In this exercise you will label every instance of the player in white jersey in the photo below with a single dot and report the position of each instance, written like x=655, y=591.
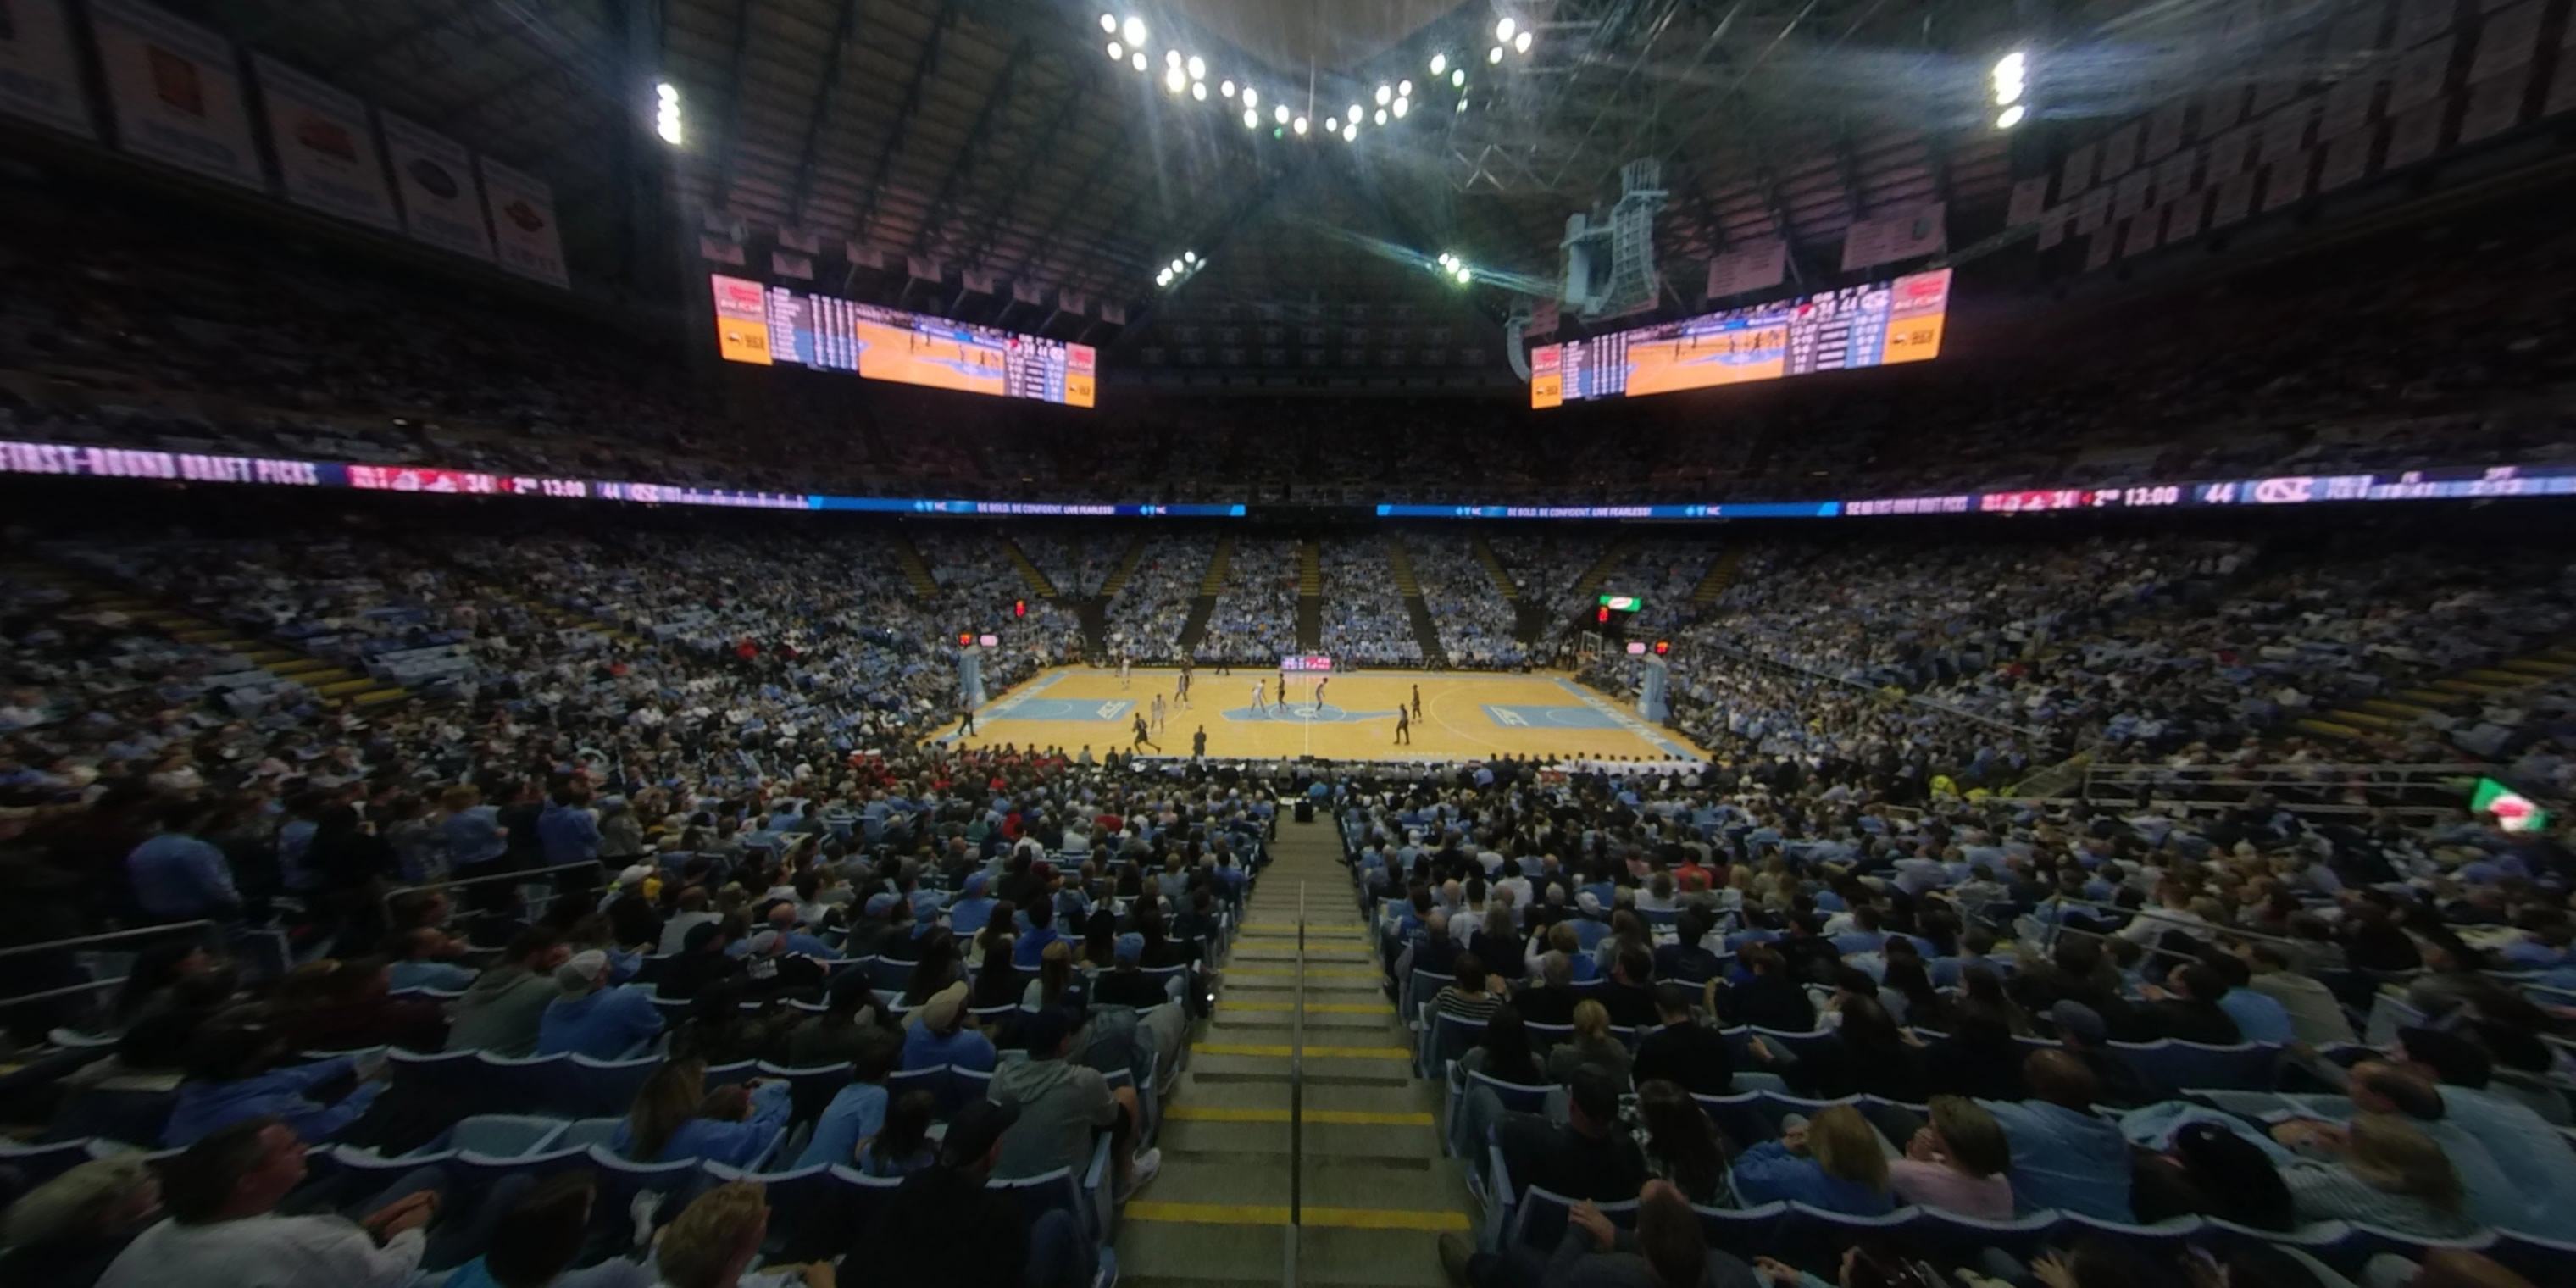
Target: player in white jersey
x=1123, y=664
x=1320, y=682
x=1260, y=695
x=1158, y=713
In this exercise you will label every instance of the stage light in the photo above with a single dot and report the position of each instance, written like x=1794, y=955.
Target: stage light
x=1109, y=24
x=1402, y=105
x=1494, y=55
x=666, y=113
x=1174, y=80
x=667, y=92
x=1251, y=97
x=1503, y=30
x=1332, y=125
x=1171, y=58
x=1226, y=88
x=1137, y=60
x=1404, y=89
x=1299, y=125
x=1464, y=273
x=1439, y=63
x=1462, y=106
x=1251, y=119
x=1280, y=114
x=1163, y=278
x=1381, y=116
x=1385, y=95
x=1189, y=257
x=1458, y=78
x=1353, y=113
x=1176, y=268
x=2011, y=117
x=1521, y=42
x=1351, y=132
x=1198, y=67
x=1117, y=52
x=1198, y=90
x=1135, y=29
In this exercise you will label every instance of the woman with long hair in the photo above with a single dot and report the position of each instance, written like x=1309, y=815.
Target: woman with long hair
x=939, y=967
x=903, y=1146
x=1681, y=1144
x=1099, y=941
x=2391, y=1176
x=1592, y=1045
x=1832, y=1162
x=1956, y=1162
x=675, y=1117
x=1503, y=1053
x=1058, y=983
x=997, y=982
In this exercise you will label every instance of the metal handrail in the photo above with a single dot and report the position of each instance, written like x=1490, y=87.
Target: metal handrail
x=78, y=941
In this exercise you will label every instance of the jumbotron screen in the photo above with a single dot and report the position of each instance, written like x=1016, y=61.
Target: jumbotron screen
x=766, y=325
x=1876, y=325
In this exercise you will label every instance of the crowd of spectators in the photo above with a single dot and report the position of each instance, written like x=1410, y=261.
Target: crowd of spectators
x=1255, y=618
x=1478, y=627
x=1144, y=619
x=1365, y=618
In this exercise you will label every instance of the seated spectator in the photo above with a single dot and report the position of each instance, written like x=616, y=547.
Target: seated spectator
x=1628, y=994
x=770, y=970
x=1502, y=1051
x=1497, y=942
x=1683, y=1051
x=1832, y=1162
x=355, y=1010
x=703, y=959
x=1059, y=984
x=2080, y=1032
x=936, y=1033
x=718, y=1236
x=1466, y=995
x=903, y=1145
x=997, y=983
x=2063, y=1156
x=2389, y=1176
x=1126, y=983
x=676, y=1117
x=589, y=1017
x=1686, y=960
x=1553, y=999
x=504, y=1007
x=1590, y=1156
x=1668, y=1249
x=2316, y=1016
x=943, y=1225
x=1868, y=1055
x=224, y=1230
x=696, y=909
x=69, y=1229
x=2207, y=1170
x=2188, y=1009
x=1957, y=1162
x=857, y=1111
x=1766, y=997
x=1591, y=1046
x=1061, y=1104
x=237, y=1072
x=420, y=963
x=539, y=1234
x=1681, y=1144
x=850, y=1012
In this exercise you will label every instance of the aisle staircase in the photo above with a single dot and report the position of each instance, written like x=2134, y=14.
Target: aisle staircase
x=1494, y=568
x=1426, y=632
x=334, y=685
x=1310, y=595
x=916, y=569
x=1589, y=584
x=1721, y=575
x=1299, y=1120
x=2395, y=711
x=1211, y=585
x=1125, y=572
x=1031, y=575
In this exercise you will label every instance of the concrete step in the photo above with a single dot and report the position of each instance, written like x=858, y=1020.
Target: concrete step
x=1191, y=1253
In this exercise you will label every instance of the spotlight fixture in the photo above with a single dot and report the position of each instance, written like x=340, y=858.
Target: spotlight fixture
x=1198, y=67
x=1353, y=113
x=1226, y=88
x=1251, y=119
x=2011, y=78
x=1175, y=80
x=1299, y=125
x=1439, y=63
x=1458, y=79
x=1332, y=125
x=1385, y=95
x=1251, y=97
x=1521, y=42
x=1381, y=116
x=1137, y=60
x=1404, y=89
x=1198, y=90
x=1109, y=24
x=666, y=113
x=1279, y=114
x=1494, y=55
x=1402, y=106
x=1351, y=132
x=1135, y=30
x=1117, y=52
x=2011, y=117
x=1503, y=30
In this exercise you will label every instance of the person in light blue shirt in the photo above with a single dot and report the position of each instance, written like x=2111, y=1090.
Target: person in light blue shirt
x=420, y=968
x=180, y=876
x=967, y=916
x=2258, y=1016
x=1833, y=1163
x=935, y=1034
x=592, y=1018
x=857, y=1111
x=566, y=831
x=234, y=1075
x=675, y=1118
x=2063, y=1156
x=472, y=829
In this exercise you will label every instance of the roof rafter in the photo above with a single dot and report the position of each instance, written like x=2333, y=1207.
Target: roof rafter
x=731, y=133
x=836, y=55
x=909, y=108
x=971, y=153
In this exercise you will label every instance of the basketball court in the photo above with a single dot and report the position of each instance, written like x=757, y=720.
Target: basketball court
x=1464, y=716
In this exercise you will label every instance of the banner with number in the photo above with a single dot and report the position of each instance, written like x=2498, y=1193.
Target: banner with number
x=2029, y=197
x=1903, y=235
x=524, y=236
x=787, y=263
x=1755, y=266
x=40, y=78
x=325, y=143
x=177, y=92
x=435, y=175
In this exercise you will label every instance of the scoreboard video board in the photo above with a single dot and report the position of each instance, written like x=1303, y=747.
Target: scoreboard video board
x=1879, y=324
x=766, y=325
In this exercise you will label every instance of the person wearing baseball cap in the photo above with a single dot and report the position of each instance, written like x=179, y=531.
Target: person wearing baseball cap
x=935, y=1033
x=590, y=1017
x=1127, y=984
x=944, y=1225
x=974, y=907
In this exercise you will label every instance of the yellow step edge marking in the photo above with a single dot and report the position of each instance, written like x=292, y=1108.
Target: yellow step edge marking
x=1289, y=947
x=1314, y=1008
x=1312, y=972
x=1313, y=1052
x=1267, y=1214
x=1329, y=1117
x=1339, y=927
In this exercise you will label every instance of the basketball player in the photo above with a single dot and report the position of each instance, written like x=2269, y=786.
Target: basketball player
x=1403, y=728
x=1417, y=702
x=1184, y=692
x=1260, y=696
x=1283, y=691
x=1143, y=738
x=967, y=730
x=1319, y=693
x=1123, y=663
x=1158, y=712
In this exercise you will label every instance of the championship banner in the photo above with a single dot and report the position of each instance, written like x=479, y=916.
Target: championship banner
x=40, y=77
x=435, y=175
x=2119, y=151
x=1073, y=302
x=718, y=250
x=2494, y=105
x=787, y=263
x=922, y=266
x=1545, y=317
x=803, y=243
x=1113, y=314
x=1904, y=235
x=327, y=158
x=2347, y=159
x=2077, y=174
x=2507, y=39
x=523, y=222
x=2182, y=217
x=2029, y=197
x=1755, y=266
x=176, y=92
x=977, y=281
x=863, y=256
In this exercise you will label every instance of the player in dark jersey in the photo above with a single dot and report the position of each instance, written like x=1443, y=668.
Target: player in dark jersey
x=1143, y=739
x=1417, y=702
x=1403, y=728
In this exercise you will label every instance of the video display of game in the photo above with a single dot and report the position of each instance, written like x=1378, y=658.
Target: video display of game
x=1876, y=325
x=766, y=325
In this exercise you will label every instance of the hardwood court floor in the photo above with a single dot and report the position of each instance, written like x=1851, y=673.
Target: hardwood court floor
x=1464, y=715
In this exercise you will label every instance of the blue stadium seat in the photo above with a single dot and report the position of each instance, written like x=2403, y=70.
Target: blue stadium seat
x=1741, y=1118
x=2541, y=1260
x=598, y=1088
x=1539, y=1221
x=477, y=1171
x=966, y=1086
x=1745, y=1232
x=1960, y=1237
x=1809, y=1235
x=621, y=1179
x=888, y=976
x=808, y=1218
x=131, y=1117
x=2163, y=1238
x=498, y=1135
x=934, y=1080
x=1448, y=1038
x=37, y=1164
x=1547, y=1037
x=2245, y=1066
x=504, y=1084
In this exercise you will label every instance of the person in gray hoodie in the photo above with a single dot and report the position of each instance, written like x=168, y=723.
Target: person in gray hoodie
x=501, y=1009
x=1061, y=1104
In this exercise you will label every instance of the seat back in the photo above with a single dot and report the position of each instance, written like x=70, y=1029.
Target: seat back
x=1745, y=1232
x=1540, y=1218
x=504, y=1135
x=1515, y=1096
x=110, y=1114
x=586, y=1132
x=2244, y=1066
x=1740, y=1117
x=37, y=1164
x=1450, y=1038
x=592, y=1088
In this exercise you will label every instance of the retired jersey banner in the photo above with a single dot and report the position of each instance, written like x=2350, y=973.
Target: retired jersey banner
x=177, y=92
x=40, y=78
x=2029, y=197
x=326, y=147
x=787, y=263
x=1754, y=266
x=435, y=175
x=524, y=235
x=1903, y=235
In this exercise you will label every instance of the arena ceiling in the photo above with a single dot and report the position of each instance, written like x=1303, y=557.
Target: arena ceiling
x=998, y=135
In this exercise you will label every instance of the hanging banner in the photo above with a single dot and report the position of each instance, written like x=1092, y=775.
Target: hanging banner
x=2165, y=129
x=717, y=250
x=2078, y=173
x=2129, y=195
x=2093, y=211
x=435, y=175
x=523, y=222
x=2421, y=20
x=1903, y=235
x=2347, y=108
x=2182, y=218
x=2052, y=227
x=2097, y=251
x=1754, y=266
x=1114, y=314
x=2235, y=201
x=2119, y=151
x=176, y=92
x=1028, y=293
x=1544, y=318
x=326, y=146
x=803, y=243
x=980, y=283
x=787, y=263
x=2347, y=159
x=863, y=256
x=2420, y=75
x=40, y=77
x=2141, y=233
x=922, y=266
x=2029, y=197
x=2413, y=134
x=1073, y=302
x=2507, y=39
x=2285, y=181
x=2494, y=105
x=2174, y=175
